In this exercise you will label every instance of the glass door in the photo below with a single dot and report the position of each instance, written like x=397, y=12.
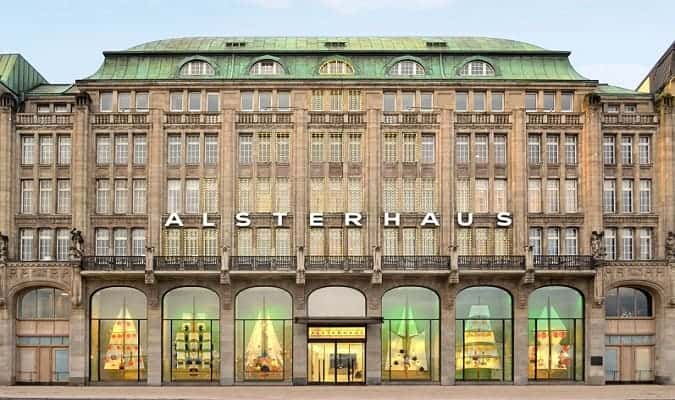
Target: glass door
x=319, y=368
x=348, y=362
x=335, y=362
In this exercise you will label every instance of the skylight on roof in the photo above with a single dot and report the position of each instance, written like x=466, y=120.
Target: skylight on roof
x=437, y=44
x=335, y=44
x=235, y=44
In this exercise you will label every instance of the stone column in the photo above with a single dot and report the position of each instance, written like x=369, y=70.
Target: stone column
x=228, y=159
x=79, y=346
x=7, y=344
x=664, y=163
x=226, y=337
x=7, y=183
x=517, y=176
x=447, y=335
x=520, y=338
x=374, y=338
x=591, y=166
x=156, y=181
x=595, y=342
x=299, y=168
x=665, y=346
x=372, y=168
x=80, y=172
x=299, y=339
x=154, y=343
x=445, y=159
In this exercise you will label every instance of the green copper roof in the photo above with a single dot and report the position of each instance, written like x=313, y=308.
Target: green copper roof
x=50, y=90
x=17, y=74
x=609, y=90
x=342, y=44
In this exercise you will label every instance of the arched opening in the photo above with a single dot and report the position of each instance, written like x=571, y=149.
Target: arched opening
x=119, y=335
x=630, y=336
x=410, y=335
x=336, y=336
x=484, y=335
x=556, y=334
x=263, y=334
x=191, y=335
x=42, y=336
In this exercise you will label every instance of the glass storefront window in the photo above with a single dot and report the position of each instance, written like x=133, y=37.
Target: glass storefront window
x=336, y=301
x=484, y=335
x=627, y=302
x=556, y=334
x=263, y=335
x=410, y=335
x=43, y=303
x=118, y=335
x=191, y=335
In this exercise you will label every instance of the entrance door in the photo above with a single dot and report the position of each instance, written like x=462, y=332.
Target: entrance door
x=336, y=362
x=629, y=364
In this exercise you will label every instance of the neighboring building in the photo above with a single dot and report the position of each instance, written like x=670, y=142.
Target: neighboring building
x=660, y=79
x=334, y=210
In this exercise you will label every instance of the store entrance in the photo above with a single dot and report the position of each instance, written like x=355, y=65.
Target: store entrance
x=332, y=359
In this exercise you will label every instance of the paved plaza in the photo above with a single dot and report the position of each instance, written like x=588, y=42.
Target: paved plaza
x=385, y=392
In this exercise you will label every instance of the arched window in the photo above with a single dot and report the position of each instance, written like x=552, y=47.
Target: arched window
x=406, y=68
x=263, y=334
x=556, y=334
x=43, y=303
x=627, y=302
x=484, y=335
x=336, y=301
x=197, y=68
x=191, y=331
x=477, y=68
x=119, y=335
x=410, y=334
x=336, y=67
x=267, y=67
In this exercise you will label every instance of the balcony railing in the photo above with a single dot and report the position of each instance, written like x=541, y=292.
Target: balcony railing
x=482, y=118
x=549, y=118
x=262, y=263
x=187, y=263
x=630, y=119
x=491, y=262
x=350, y=118
x=334, y=263
x=192, y=118
x=113, y=263
x=120, y=119
x=402, y=263
x=264, y=117
x=44, y=119
x=409, y=118
x=564, y=263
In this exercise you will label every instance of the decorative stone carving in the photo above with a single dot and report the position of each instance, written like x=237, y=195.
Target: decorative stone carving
x=300, y=268
x=653, y=275
x=3, y=286
x=76, y=297
x=453, y=279
x=27, y=272
x=670, y=246
x=225, y=266
x=528, y=278
x=377, y=266
x=76, y=244
x=597, y=245
x=149, y=265
x=4, y=241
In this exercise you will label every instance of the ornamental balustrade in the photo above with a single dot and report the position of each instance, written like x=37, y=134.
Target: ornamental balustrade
x=348, y=118
x=113, y=263
x=491, y=262
x=336, y=263
x=192, y=118
x=563, y=263
x=46, y=119
x=281, y=117
x=410, y=118
x=398, y=263
x=483, y=118
x=187, y=263
x=127, y=118
x=551, y=118
x=630, y=119
x=262, y=263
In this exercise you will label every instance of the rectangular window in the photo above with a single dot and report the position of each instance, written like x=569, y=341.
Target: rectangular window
x=390, y=242
x=283, y=193
x=627, y=244
x=194, y=101
x=608, y=149
x=192, y=196
x=481, y=149
x=534, y=149
x=264, y=151
x=317, y=100
x=462, y=149
x=464, y=242
x=429, y=246
x=174, y=149
x=265, y=101
x=531, y=101
x=610, y=244
x=408, y=241
x=626, y=150
x=534, y=195
x=482, y=241
x=121, y=149
x=176, y=101
x=409, y=147
x=644, y=148
x=482, y=196
x=335, y=195
x=645, y=243
x=316, y=247
x=500, y=196
x=553, y=241
x=283, y=148
x=64, y=150
x=263, y=195
x=566, y=102
x=316, y=148
x=317, y=191
x=45, y=196
x=139, y=196
x=355, y=148
x=428, y=148
x=502, y=242
x=142, y=102
x=212, y=102
x=355, y=196
x=63, y=196
x=106, y=102
x=138, y=242
x=210, y=149
x=335, y=147
x=172, y=242
x=103, y=150
x=140, y=150
x=479, y=101
x=26, y=196
x=210, y=195
x=571, y=196
x=552, y=143
x=354, y=242
x=192, y=151
x=645, y=195
x=497, y=101
x=354, y=100
x=553, y=196
x=263, y=242
x=26, y=245
x=191, y=242
x=173, y=196
x=463, y=195
x=571, y=242
x=408, y=195
x=336, y=100
x=120, y=242
x=389, y=200
x=62, y=244
x=335, y=242
x=549, y=101
x=45, y=244
x=390, y=151
x=246, y=101
x=627, y=195
x=426, y=101
x=570, y=149
x=102, y=242
x=535, y=240
x=245, y=148
x=244, y=195
x=27, y=150
x=629, y=108
x=46, y=149
x=428, y=195
x=500, y=149
x=407, y=101
x=123, y=102
x=609, y=196
x=282, y=242
x=102, y=196
x=121, y=196
x=461, y=101
x=389, y=102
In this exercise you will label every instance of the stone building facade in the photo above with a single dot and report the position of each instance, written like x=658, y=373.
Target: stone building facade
x=334, y=210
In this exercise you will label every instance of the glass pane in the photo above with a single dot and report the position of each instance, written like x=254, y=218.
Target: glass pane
x=60, y=373
x=319, y=357
x=336, y=301
x=611, y=364
x=191, y=302
x=28, y=309
x=118, y=302
x=118, y=350
x=193, y=349
x=492, y=302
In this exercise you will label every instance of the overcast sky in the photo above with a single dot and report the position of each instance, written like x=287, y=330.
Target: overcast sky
x=615, y=42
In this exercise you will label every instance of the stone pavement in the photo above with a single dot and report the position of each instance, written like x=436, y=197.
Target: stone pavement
x=384, y=392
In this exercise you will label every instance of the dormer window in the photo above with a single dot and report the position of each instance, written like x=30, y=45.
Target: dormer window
x=406, y=68
x=336, y=67
x=477, y=68
x=197, y=68
x=267, y=67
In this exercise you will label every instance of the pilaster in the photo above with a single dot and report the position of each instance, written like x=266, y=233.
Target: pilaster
x=591, y=167
x=373, y=167
x=665, y=168
x=595, y=342
x=228, y=157
x=518, y=179
x=299, y=339
x=520, y=338
x=374, y=338
x=447, y=335
x=445, y=157
x=154, y=342
x=6, y=165
x=80, y=172
x=156, y=170
x=226, y=337
x=78, y=346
